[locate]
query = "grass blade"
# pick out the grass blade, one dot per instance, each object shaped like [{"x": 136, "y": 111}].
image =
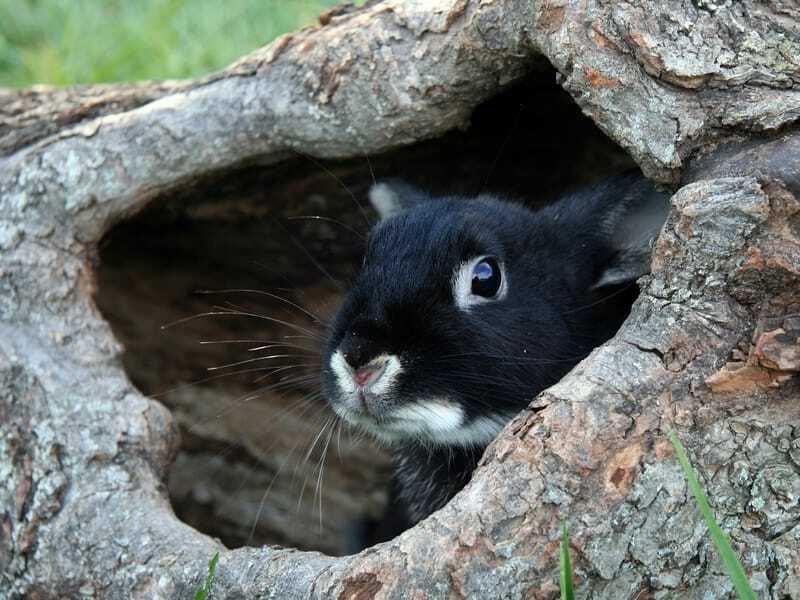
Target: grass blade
[
  {"x": 203, "y": 592},
  {"x": 732, "y": 564},
  {"x": 567, "y": 593}
]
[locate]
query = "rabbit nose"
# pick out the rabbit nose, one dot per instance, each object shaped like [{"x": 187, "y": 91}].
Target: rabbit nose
[
  {"x": 369, "y": 373},
  {"x": 359, "y": 352}
]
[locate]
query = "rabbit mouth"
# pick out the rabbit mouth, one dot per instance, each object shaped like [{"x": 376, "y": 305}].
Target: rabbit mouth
[
  {"x": 413, "y": 420},
  {"x": 366, "y": 397},
  {"x": 437, "y": 421},
  {"x": 442, "y": 421}
]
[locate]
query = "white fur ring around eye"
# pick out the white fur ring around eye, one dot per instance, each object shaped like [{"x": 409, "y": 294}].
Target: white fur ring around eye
[{"x": 479, "y": 280}]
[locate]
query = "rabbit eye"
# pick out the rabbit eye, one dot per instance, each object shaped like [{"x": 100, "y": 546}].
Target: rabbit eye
[
  {"x": 479, "y": 280},
  {"x": 486, "y": 278}
]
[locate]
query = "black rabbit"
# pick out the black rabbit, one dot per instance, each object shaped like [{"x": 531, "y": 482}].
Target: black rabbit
[{"x": 465, "y": 309}]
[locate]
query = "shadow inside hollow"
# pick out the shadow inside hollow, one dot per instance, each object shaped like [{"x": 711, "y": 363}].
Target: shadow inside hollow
[{"x": 244, "y": 472}]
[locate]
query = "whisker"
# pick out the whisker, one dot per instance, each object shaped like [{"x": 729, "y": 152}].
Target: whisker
[
  {"x": 295, "y": 337},
  {"x": 239, "y": 401},
  {"x": 207, "y": 342},
  {"x": 624, "y": 288},
  {"x": 310, "y": 257},
  {"x": 532, "y": 360},
  {"x": 254, "y": 359},
  {"x": 286, "y": 368},
  {"x": 330, "y": 220},
  {"x": 371, "y": 172},
  {"x": 281, "y": 345},
  {"x": 339, "y": 439},
  {"x": 267, "y": 491},
  {"x": 238, "y": 313},
  {"x": 500, "y": 150},
  {"x": 341, "y": 184},
  {"x": 318, "y": 488},
  {"x": 316, "y": 439},
  {"x": 228, "y": 305},
  {"x": 306, "y": 312},
  {"x": 260, "y": 457},
  {"x": 305, "y": 459},
  {"x": 306, "y": 403},
  {"x": 220, "y": 376}
]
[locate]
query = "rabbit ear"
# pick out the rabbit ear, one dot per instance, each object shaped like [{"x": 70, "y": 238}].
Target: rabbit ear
[
  {"x": 632, "y": 227},
  {"x": 393, "y": 196}
]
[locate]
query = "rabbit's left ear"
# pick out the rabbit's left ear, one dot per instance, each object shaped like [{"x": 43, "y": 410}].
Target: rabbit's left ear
[
  {"x": 393, "y": 196},
  {"x": 632, "y": 226}
]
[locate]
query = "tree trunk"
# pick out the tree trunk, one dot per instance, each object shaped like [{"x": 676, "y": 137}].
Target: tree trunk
[{"x": 701, "y": 95}]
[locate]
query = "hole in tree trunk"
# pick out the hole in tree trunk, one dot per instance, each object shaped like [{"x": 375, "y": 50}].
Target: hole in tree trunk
[{"x": 253, "y": 433}]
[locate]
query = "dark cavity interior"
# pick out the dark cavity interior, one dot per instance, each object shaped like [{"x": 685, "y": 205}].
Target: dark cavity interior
[{"x": 253, "y": 435}]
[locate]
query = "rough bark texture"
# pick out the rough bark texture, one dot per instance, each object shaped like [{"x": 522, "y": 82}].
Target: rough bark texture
[{"x": 699, "y": 93}]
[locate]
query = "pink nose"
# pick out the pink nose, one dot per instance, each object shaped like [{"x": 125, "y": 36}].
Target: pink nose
[{"x": 367, "y": 374}]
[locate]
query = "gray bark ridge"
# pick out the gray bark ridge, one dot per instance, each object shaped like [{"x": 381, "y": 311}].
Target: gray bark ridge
[{"x": 709, "y": 349}]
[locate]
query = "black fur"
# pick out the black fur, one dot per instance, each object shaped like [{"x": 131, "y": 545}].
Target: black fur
[{"x": 569, "y": 268}]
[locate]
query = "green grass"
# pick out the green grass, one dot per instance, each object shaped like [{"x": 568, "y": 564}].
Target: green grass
[
  {"x": 203, "y": 592},
  {"x": 567, "y": 593},
  {"x": 65, "y": 42},
  {"x": 735, "y": 571}
]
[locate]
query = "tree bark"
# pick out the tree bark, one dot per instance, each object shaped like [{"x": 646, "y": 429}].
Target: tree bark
[{"x": 701, "y": 94}]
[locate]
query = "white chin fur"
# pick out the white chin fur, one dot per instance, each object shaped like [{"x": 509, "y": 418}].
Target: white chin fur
[
  {"x": 428, "y": 418},
  {"x": 442, "y": 422},
  {"x": 438, "y": 422}
]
